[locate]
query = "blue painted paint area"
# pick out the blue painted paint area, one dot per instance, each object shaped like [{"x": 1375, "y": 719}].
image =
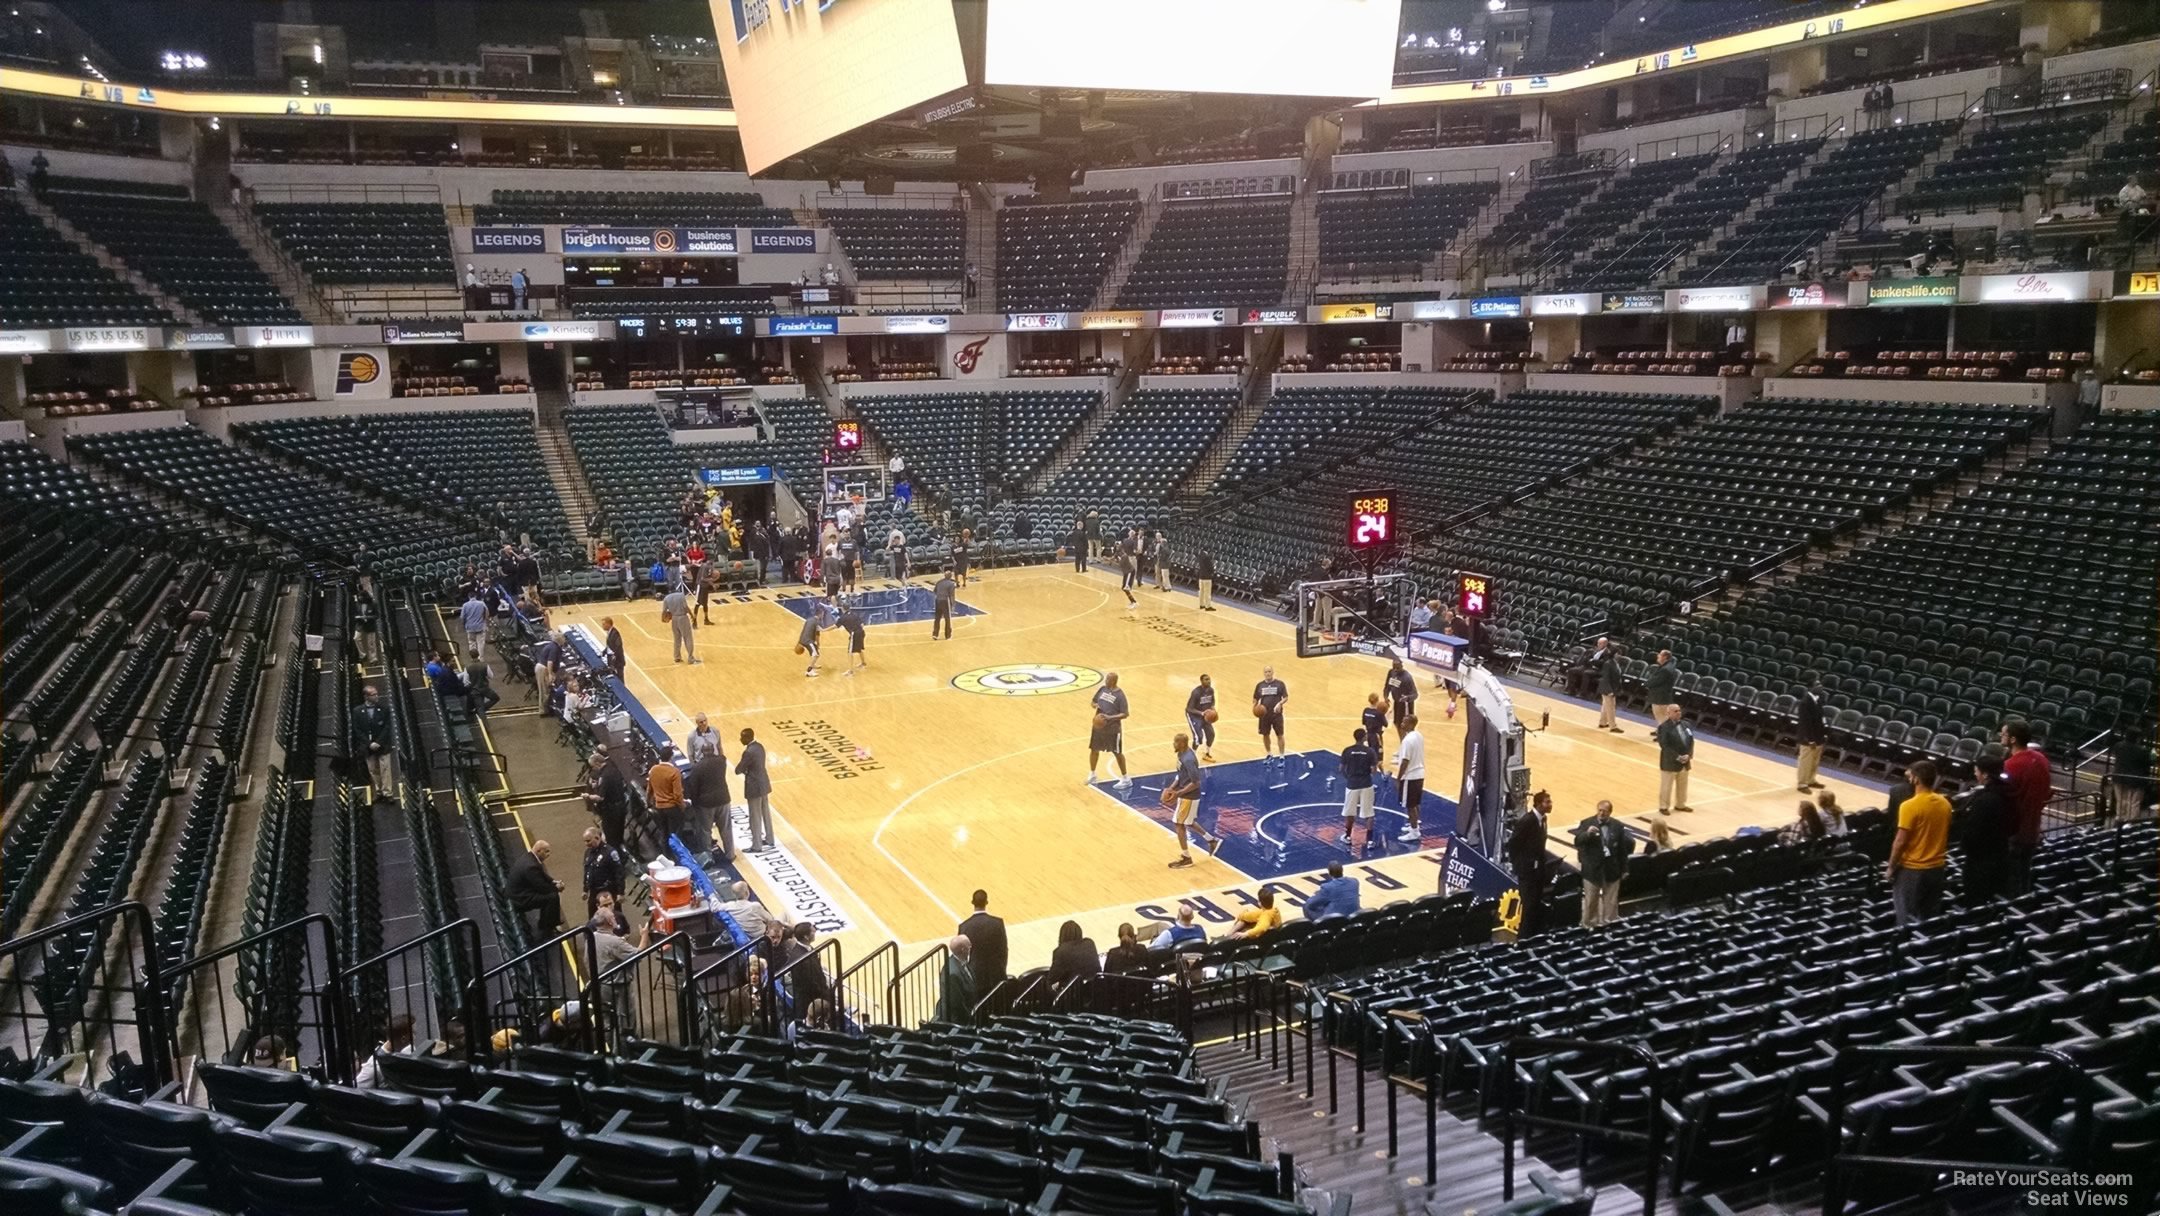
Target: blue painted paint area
[
  {"x": 1287, "y": 818},
  {"x": 882, "y": 605}
]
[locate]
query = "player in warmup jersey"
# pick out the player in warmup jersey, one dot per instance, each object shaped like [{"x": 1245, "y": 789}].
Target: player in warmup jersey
[
  {"x": 1401, "y": 690},
  {"x": 1357, "y": 761},
  {"x": 1200, "y": 715},
  {"x": 1183, "y": 794},
  {"x": 1410, "y": 777},
  {"x": 1375, "y": 722},
  {"x": 807, "y": 641},
  {"x": 851, "y": 620},
  {"x": 1108, "y": 732},
  {"x": 1269, "y": 696}
]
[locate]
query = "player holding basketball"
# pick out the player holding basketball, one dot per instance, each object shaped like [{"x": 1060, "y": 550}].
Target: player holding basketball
[
  {"x": 806, "y": 642},
  {"x": 1358, "y": 761},
  {"x": 1108, "y": 734},
  {"x": 1183, "y": 793},
  {"x": 1269, "y": 697},
  {"x": 1375, "y": 720},
  {"x": 1401, "y": 690},
  {"x": 1200, "y": 715}
]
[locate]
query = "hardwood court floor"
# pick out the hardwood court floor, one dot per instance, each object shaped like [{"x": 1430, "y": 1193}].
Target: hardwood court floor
[{"x": 897, "y": 792}]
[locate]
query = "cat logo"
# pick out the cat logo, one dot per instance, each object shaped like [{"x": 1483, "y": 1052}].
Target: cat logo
[
  {"x": 1026, "y": 679},
  {"x": 968, "y": 356},
  {"x": 356, "y": 368}
]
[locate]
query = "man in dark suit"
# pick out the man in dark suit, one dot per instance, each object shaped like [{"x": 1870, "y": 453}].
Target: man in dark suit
[
  {"x": 1527, "y": 856},
  {"x": 534, "y": 895},
  {"x": 987, "y": 932},
  {"x": 616, "y": 661},
  {"x": 606, "y": 796},
  {"x": 1811, "y": 733},
  {"x": 809, "y": 979}
]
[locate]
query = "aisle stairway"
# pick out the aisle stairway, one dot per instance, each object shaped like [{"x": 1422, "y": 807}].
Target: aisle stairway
[
  {"x": 563, "y": 467},
  {"x": 272, "y": 261}
]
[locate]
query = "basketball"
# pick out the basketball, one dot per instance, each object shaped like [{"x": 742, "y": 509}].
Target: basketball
[
  {"x": 798, "y": 648},
  {"x": 1259, "y": 710},
  {"x": 1101, "y": 721},
  {"x": 1209, "y": 716}
]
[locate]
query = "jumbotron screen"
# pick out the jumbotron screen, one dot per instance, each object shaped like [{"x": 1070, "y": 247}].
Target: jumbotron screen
[
  {"x": 1292, "y": 48},
  {"x": 804, "y": 71}
]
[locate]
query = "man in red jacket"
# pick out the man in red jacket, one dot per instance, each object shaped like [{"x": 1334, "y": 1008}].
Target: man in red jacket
[{"x": 2031, "y": 783}]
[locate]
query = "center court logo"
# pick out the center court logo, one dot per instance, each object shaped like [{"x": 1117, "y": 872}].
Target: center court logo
[{"x": 1026, "y": 679}]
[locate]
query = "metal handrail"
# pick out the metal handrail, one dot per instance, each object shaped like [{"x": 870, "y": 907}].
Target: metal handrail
[
  {"x": 939, "y": 953},
  {"x": 475, "y": 995},
  {"x": 782, "y": 972},
  {"x": 840, "y": 982},
  {"x": 335, "y": 1058},
  {"x": 157, "y": 1039},
  {"x": 679, "y": 943},
  {"x": 471, "y": 933},
  {"x": 1834, "y": 1180},
  {"x": 1653, "y": 1137}
]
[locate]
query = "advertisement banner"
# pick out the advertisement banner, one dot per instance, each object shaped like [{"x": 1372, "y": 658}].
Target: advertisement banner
[
  {"x": 662, "y": 241},
  {"x": 1715, "y": 299},
  {"x": 1565, "y": 304},
  {"x": 1437, "y": 310},
  {"x": 1123, "y": 319},
  {"x": 2040, "y": 288},
  {"x": 201, "y": 338},
  {"x": 509, "y": 240},
  {"x": 107, "y": 338},
  {"x": 918, "y": 325},
  {"x": 802, "y": 327},
  {"x": 1274, "y": 316},
  {"x": 1810, "y": 295},
  {"x": 25, "y": 341},
  {"x": 1336, "y": 314},
  {"x": 783, "y": 240},
  {"x": 1466, "y": 869},
  {"x": 275, "y": 335},
  {"x": 1933, "y": 291},
  {"x": 562, "y": 331},
  {"x": 415, "y": 333},
  {"x": 1035, "y": 321},
  {"x": 1192, "y": 318},
  {"x": 1633, "y": 301},
  {"x": 750, "y": 475},
  {"x": 2140, "y": 283},
  {"x": 1495, "y": 308}
]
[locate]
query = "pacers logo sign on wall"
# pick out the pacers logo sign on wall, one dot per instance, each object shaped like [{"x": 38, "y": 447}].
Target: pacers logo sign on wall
[
  {"x": 356, "y": 368},
  {"x": 1026, "y": 679},
  {"x": 968, "y": 356}
]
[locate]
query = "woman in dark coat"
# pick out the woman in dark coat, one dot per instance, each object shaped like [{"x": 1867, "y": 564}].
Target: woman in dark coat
[{"x": 1074, "y": 957}]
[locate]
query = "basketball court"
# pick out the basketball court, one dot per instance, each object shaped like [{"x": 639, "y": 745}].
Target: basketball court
[{"x": 950, "y": 765}]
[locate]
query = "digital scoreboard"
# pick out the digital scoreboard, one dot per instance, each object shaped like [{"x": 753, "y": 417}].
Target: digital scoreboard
[
  {"x": 1474, "y": 594},
  {"x": 847, "y": 436},
  {"x": 1372, "y": 519}
]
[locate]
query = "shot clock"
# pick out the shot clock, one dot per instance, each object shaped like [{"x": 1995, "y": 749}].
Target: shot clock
[
  {"x": 847, "y": 436},
  {"x": 1474, "y": 594},
  {"x": 1372, "y": 519}
]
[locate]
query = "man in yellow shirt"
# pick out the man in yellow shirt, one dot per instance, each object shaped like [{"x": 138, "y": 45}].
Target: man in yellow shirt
[
  {"x": 1252, "y": 922},
  {"x": 1920, "y": 849}
]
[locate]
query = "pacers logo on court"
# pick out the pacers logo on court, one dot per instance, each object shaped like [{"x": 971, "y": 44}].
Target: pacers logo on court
[{"x": 1026, "y": 679}]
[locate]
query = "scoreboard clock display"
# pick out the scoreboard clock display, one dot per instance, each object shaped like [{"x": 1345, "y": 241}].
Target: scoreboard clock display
[
  {"x": 847, "y": 436},
  {"x": 1474, "y": 595},
  {"x": 1372, "y": 519}
]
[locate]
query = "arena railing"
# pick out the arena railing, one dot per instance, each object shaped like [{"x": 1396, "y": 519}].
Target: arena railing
[
  {"x": 729, "y": 991},
  {"x": 864, "y": 991},
  {"x": 51, "y": 1021},
  {"x": 1652, "y": 1137},
  {"x": 1848, "y": 1060},
  {"x": 307, "y": 1017},
  {"x": 420, "y": 981},
  {"x": 648, "y": 995},
  {"x": 518, "y": 994},
  {"x": 914, "y": 993},
  {"x": 1129, "y": 996},
  {"x": 824, "y": 956}
]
